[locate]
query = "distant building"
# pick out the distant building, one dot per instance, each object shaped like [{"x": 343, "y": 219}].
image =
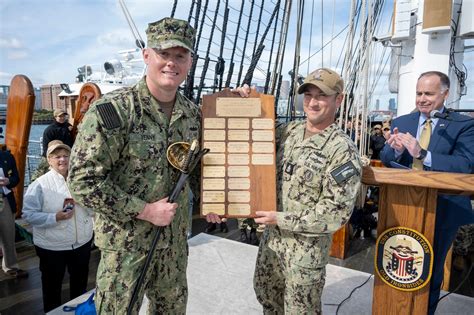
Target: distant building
[
  {"x": 4, "y": 93},
  {"x": 377, "y": 104},
  {"x": 392, "y": 106},
  {"x": 50, "y": 99},
  {"x": 284, "y": 89}
]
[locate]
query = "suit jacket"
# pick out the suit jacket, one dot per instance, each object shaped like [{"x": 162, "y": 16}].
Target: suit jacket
[
  {"x": 7, "y": 163},
  {"x": 452, "y": 150}
]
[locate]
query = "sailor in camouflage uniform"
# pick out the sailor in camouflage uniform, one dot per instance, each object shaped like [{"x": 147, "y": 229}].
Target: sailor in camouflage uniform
[
  {"x": 319, "y": 173},
  {"x": 119, "y": 168}
]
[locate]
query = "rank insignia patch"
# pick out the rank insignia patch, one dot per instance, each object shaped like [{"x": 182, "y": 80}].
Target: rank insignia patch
[
  {"x": 289, "y": 168},
  {"x": 344, "y": 172},
  {"x": 403, "y": 259}
]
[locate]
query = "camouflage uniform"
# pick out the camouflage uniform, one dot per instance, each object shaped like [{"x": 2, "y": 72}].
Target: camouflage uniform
[
  {"x": 318, "y": 180},
  {"x": 115, "y": 171},
  {"x": 464, "y": 241},
  {"x": 245, "y": 223}
]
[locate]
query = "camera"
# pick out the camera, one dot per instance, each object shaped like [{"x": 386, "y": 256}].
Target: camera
[{"x": 68, "y": 207}]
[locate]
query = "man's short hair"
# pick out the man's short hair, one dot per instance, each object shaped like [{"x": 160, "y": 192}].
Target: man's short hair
[{"x": 444, "y": 79}]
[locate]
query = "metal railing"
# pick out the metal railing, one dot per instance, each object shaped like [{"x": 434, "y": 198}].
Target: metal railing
[{"x": 33, "y": 158}]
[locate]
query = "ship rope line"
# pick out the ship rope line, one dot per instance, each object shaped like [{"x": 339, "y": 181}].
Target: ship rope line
[
  {"x": 206, "y": 61},
  {"x": 203, "y": 65},
  {"x": 269, "y": 63},
  {"x": 220, "y": 65},
  {"x": 245, "y": 42},
  {"x": 136, "y": 34}
]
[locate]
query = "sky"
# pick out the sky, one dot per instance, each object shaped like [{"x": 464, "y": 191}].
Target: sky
[{"x": 48, "y": 40}]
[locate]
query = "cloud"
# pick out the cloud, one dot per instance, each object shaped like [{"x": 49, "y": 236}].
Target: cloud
[
  {"x": 18, "y": 54},
  {"x": 9, "y": 43}
]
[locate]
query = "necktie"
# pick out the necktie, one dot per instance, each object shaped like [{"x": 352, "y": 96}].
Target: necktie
[{"x": 424, "y": 141}]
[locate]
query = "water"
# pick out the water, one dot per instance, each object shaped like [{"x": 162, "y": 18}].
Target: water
[
  {"x": 33, "y": 156},
  {"x": 36, "y": 132}
]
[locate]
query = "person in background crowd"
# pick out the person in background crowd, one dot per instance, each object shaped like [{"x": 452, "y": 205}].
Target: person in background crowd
[
  {"x": 60, "y": 130},
  {"x": 8, "y": 179},
  {"x": 62, "y": 229},
  {"x": 386, "y": 130},
  {"x": 424, "y": 143},
  {"x": 377, "y": 142}
]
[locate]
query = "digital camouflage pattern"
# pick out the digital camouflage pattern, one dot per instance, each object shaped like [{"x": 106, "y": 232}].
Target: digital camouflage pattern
[
  {"x": 168, "y": 287},
  {"x": 169, "y": 32},
  {"x": 116, "y": 171},
  {"x": 464, "y": 241},
  {"x": 314, "y": 199}
]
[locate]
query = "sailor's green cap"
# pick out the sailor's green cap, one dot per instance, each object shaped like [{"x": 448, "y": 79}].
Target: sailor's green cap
[{"x": 169, "y": 32}]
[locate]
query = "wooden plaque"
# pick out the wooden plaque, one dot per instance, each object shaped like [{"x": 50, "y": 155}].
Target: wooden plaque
[{"x": 239, "y": 173}]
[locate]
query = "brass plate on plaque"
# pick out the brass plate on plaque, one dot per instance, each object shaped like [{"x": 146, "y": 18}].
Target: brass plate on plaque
[
  {"x": 238, "y": 107},
  {"x": 238, "y": 159},
  {"x": 262, "y": 123},
  {"x": 239, "y": 173},
  {"x": 262, "y": 135},
  {"x": 238, "y": 123},
  {"x": 238, "y": 183},
  {"x": 213, "y": 183},
  {"x": 215, "y": 147},
  {"x": 213, "y": 196},
  {"x": 238, "y": 147},
  {"x": 214, "y": 134},
  {"x": 218, "y": 208},
  {"x": 213, "y": 171},
  {"x": 238, "y": 196},
  {"x": 238, "y": 135},
  {"x": 214, "y": 159},
  {"x": 238, "y": 209},
  {"x": 214, "y": 123}
]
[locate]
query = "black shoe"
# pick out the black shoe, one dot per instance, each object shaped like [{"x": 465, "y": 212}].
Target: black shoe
[
  {"x": 243, "y": 236},
  {"x": 224, "y": 228},
  {"x": 211, "y": 227},
  {"x": 253, "y": 237}
]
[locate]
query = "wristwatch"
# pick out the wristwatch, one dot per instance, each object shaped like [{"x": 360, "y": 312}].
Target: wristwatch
[{"x": 422, "y": 154}]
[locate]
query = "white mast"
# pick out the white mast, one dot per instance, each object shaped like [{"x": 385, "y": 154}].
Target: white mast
[{"x": 424, "y": 29}]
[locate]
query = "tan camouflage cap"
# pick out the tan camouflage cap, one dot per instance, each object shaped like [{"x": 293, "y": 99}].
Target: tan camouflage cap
[
  {"x": 327, "y": 80},
  {"x": 168, "y": 33}
]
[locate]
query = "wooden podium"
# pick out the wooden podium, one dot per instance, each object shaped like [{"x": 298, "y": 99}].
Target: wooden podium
[{"x": 408, "y": 199}]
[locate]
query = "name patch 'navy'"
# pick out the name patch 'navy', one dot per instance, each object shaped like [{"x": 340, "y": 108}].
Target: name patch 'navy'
[
  {"x": 344, "y": 172},
  {"x": 109, "y": 115}
]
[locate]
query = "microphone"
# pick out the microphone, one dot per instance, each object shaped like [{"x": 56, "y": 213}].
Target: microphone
[{"x": 437, "y": 114}]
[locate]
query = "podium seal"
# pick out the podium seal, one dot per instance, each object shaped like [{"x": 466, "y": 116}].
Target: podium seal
[{"x": 403, "y": 259}]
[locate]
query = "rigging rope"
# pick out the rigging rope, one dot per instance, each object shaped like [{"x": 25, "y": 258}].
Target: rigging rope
[
  {"x": 267, "y": 79},
  {"x": 245, "y": 42},
  {"x": 231, "y": 66},
  {"x": 206, "y": 63},
  {"x": 136, "y": 34},
  {"x": 261, "y": 46},
  {"x": 175, "y": 4}
]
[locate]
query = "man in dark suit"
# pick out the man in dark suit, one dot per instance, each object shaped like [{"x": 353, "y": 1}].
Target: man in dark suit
[{"x": 435, "y": 144}]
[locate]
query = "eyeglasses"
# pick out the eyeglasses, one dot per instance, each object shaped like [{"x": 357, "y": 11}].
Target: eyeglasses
[{"x": 386, "y": 129}]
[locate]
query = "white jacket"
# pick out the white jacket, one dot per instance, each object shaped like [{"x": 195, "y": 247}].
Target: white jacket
[{"x": 43, "y": 199}]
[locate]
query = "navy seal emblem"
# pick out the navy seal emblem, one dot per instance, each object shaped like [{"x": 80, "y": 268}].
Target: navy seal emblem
[{"x": 404, "y": 259}]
